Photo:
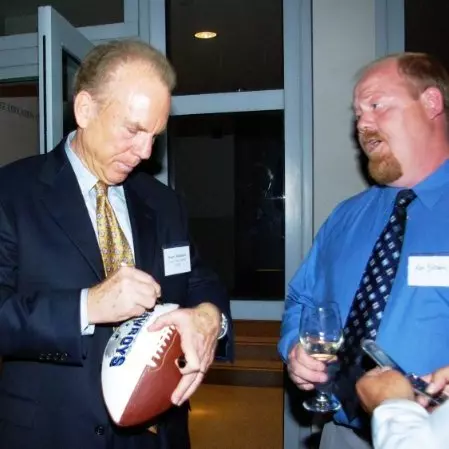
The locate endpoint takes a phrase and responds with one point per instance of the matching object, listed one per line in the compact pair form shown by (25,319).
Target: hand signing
(125,294)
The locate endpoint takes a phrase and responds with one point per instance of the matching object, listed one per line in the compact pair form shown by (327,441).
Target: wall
(19,128)
(343,41)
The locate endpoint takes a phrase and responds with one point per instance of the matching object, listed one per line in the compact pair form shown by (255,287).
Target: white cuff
(86,328)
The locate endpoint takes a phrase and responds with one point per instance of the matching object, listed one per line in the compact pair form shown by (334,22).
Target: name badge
(177,260)
(428,271)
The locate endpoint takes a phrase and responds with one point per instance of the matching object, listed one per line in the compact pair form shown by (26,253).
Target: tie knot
(404,198)
(101,188)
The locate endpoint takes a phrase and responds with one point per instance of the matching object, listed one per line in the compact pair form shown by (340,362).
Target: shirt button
(99,430)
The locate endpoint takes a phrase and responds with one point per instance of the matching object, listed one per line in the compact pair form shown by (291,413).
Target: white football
(140,371)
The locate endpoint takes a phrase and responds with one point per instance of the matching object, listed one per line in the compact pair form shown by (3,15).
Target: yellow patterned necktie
(114,247)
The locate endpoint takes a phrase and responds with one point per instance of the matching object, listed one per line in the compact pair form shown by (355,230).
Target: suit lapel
(63,200)
(144,228)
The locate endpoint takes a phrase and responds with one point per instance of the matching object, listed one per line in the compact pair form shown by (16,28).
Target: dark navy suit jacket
(50,390)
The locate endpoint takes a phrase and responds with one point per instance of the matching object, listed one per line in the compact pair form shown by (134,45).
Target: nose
(365,122)
(145,147)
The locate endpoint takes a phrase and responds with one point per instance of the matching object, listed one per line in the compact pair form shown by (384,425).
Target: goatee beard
(384,168)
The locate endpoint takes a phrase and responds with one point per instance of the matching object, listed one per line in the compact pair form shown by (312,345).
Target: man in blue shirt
(401,105)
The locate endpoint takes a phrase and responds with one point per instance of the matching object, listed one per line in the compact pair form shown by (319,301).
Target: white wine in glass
(320,349)
(321,336)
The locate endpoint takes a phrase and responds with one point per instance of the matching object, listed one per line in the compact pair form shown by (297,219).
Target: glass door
(61,48)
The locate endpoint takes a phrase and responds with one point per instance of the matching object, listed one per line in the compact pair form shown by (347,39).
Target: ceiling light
(205,35)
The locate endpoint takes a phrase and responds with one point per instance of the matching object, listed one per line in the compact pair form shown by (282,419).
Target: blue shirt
(415,326)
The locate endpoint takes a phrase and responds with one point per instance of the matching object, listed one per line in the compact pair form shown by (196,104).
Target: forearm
(403,424)
(41,326)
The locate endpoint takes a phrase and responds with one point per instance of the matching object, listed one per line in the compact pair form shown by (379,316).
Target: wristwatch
(223,326)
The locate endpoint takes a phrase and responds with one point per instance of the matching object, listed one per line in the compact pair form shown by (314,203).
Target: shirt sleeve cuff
(86,328)
(286,343)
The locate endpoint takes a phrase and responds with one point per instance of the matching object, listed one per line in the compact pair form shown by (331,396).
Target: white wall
(19,128)
(343,41)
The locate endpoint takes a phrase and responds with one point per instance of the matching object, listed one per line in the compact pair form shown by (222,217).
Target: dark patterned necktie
(370,301)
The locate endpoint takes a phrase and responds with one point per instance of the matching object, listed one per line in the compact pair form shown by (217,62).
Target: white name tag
(428,271)
(177,260)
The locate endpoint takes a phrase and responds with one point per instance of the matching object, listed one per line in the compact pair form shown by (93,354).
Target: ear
(433,102)
(84,108)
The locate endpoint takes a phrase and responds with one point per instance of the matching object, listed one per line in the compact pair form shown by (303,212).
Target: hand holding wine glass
(321,336)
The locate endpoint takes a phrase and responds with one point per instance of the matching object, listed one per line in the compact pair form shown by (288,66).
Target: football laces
(164,338)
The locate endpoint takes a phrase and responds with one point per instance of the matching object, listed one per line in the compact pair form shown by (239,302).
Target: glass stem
(321,396)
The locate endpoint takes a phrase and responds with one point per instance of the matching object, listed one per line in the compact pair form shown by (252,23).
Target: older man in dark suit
(84,244)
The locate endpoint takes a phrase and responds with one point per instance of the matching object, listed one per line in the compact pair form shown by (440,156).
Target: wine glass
(321,336)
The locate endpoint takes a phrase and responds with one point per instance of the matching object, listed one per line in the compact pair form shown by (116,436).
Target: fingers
(197,347)
(299,381)
(438,381)
(197,361)
(422,400)
(193,363)
(140,279)
(442,373)
(144,296)
(126,293)
(198,343)
(305,370)
(188,384)
(193,387)
(137,287)
(168,319)
(306,360)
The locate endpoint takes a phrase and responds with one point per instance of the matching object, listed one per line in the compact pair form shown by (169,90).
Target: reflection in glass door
(226,142)
(230,170)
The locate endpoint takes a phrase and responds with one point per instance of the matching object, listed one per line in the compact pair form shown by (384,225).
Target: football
(140,371)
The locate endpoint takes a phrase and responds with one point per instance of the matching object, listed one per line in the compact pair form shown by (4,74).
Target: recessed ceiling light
(205,35)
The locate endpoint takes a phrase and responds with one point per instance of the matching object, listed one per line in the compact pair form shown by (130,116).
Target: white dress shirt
(116,196)
(403,424)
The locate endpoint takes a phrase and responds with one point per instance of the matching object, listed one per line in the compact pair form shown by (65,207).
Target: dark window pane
(69,67)
(247,53)
(426,28)
(18,17)
(230,170)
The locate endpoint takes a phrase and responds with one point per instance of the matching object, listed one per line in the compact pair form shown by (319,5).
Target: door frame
(56,36)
